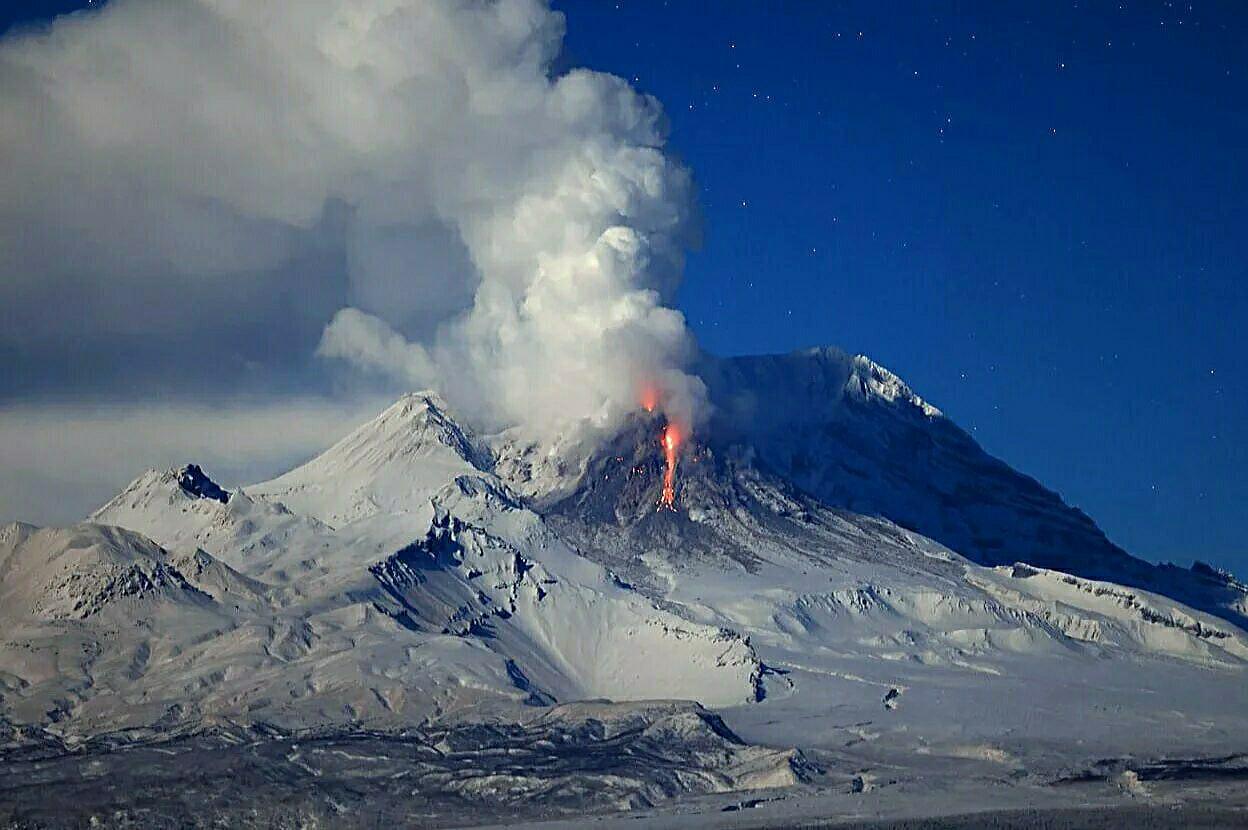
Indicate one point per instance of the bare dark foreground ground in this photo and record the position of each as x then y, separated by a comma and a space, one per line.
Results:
421, 777
568, 774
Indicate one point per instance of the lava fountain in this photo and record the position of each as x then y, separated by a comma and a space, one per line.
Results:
671, 444
650, 399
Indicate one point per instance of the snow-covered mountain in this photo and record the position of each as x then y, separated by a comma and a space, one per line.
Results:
852, 434
848, 581
392, 464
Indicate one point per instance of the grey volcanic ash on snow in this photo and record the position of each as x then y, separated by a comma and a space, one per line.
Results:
595, 570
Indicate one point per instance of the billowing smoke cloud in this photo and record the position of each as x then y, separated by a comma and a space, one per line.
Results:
479, 224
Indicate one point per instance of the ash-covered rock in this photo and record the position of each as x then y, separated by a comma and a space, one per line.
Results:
578, 758
193, 480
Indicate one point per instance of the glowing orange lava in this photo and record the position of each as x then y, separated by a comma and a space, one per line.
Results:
649, 398
671, 443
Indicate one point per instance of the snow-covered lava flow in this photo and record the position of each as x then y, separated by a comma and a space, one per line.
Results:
671, 444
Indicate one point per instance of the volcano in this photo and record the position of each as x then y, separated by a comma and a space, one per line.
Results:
828, 599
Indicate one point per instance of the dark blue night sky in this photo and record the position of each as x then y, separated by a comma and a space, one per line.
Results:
1034, 213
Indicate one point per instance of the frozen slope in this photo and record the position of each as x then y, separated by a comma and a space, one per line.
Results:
488, 567
103, 629
390, 465
825, 583
454, 596
767, 545
853, 435
263, 537
877, 638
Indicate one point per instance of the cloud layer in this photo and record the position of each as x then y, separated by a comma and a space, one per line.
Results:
224, 186
59, 462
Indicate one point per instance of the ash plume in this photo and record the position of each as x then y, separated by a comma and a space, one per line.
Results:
412, 175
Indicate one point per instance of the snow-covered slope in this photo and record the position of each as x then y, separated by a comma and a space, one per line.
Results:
261, 535
455, 595
488, 567
390, 465
853, 435
844, 569
87, 570
744, 531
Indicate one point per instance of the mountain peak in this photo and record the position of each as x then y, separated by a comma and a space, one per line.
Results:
416, 403
175, 485
869, 379
391, 464
420, 420
416, 420
79, 571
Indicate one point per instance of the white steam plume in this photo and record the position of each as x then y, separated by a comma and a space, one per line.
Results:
509, 236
